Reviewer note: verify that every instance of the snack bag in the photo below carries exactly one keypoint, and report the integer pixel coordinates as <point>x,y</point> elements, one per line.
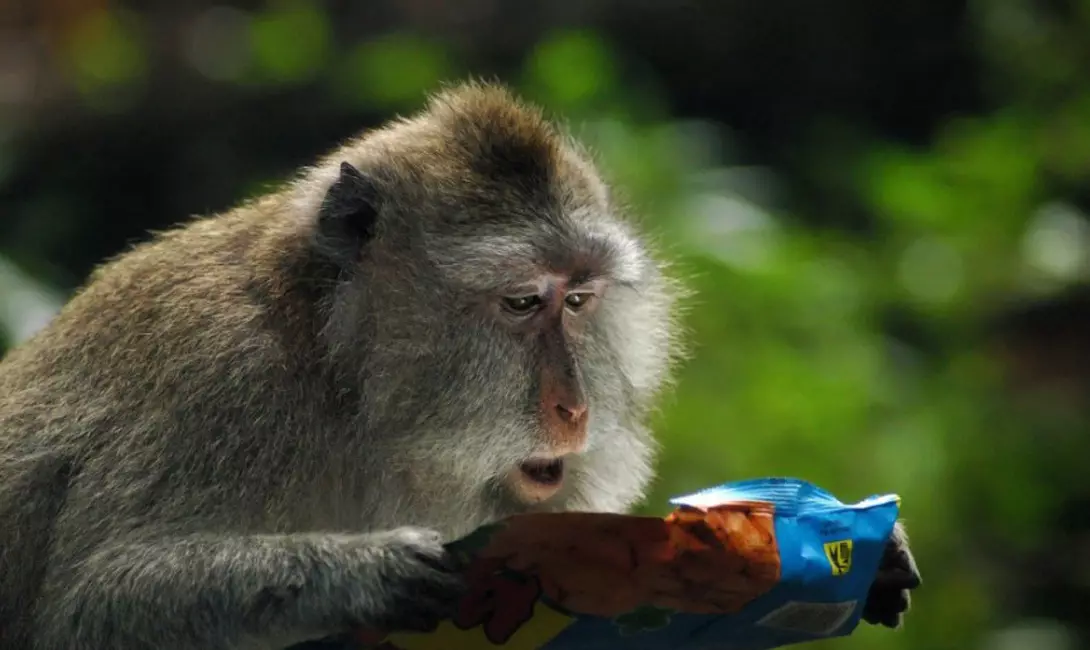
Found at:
<point>751,565</point>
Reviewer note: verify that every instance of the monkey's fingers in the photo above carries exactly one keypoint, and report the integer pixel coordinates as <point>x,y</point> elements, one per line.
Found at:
<point>886,607</point>
<point>898,567</point>
<point>897,578</point>
<point>428,592</point>
<point>438,592</point>
<point>889,597</point>
<point>422,609</point>
<point>443,562</point>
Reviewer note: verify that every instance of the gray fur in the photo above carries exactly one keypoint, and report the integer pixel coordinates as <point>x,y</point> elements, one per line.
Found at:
<point>236,436</point>
<point>260,427</point>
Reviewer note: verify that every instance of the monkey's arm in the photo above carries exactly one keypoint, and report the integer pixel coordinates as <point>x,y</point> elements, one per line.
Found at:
<point>205,591</point>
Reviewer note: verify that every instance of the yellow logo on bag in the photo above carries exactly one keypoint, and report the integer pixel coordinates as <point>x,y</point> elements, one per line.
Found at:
<point>840,556</point>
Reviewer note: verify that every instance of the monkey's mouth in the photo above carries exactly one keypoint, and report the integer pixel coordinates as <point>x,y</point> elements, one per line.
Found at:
<point>546,471</point>
<point>537,479</point>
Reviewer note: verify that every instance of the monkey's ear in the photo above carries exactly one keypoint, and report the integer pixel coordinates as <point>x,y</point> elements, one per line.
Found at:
<point>346,218</point>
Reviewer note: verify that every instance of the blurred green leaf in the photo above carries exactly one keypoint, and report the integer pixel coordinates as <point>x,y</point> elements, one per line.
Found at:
<point>571,70</point>
<point>105,57</point>
<point>393,72</point>
<point>291,41</point>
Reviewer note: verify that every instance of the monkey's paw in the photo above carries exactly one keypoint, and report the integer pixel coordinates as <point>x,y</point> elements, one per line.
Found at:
<point>889,597</point>
<point>420,583</point>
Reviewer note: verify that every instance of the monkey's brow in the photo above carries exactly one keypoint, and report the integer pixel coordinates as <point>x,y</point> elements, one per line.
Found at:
<point>498,247</point>
<point>486,263</point>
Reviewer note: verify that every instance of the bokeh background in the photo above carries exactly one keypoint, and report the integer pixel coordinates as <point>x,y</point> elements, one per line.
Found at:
<point>882,207</point>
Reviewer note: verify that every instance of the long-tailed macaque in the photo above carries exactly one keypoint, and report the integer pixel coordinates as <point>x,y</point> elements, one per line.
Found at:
<point>260,427</point>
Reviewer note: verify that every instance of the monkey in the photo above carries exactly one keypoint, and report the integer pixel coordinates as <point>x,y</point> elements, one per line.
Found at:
<point>261,427</point>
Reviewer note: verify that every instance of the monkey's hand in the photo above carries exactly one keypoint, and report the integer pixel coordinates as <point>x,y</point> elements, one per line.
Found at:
<point>419,585</point>
<point>889,598</point>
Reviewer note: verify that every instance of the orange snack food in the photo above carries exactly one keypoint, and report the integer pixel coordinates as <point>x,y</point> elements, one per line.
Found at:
<point>713,560</point>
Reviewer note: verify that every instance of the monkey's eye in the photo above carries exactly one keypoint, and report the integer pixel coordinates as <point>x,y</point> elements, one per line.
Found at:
<point>521,305</point>
<point>576,301</point>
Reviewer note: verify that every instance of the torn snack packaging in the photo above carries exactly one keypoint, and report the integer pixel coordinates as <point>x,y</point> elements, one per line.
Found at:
<point>750,565</point>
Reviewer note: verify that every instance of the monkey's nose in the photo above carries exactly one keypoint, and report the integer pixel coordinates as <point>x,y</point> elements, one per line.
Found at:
<point>571,413</point>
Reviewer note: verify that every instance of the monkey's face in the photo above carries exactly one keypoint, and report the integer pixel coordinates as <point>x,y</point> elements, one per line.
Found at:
<point>547,317</point>
<point>516,330</point>
<point>525,355</point>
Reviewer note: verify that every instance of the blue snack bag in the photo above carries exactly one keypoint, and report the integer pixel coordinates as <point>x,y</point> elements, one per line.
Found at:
<point>752,565</point>
<point>829,555</point>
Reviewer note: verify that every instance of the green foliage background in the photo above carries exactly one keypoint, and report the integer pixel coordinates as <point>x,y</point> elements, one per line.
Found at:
<point>794,368</point>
